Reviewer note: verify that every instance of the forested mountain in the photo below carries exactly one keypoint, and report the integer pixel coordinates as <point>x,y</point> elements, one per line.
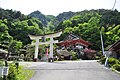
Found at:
<point>51,21</point>
<point>40,16</point>
<point>87,24</point>
<point>15,27</point>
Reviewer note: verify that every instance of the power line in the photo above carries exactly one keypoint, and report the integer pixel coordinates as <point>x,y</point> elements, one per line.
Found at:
<point>114,5</point>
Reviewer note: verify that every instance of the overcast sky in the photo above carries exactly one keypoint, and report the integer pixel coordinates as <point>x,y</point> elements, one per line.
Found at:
<point>54,7</point>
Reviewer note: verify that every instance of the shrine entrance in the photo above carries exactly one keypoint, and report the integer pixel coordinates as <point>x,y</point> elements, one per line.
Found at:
<point>51,42</point>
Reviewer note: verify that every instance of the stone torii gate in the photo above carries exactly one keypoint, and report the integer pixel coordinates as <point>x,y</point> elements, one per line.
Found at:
<point>37,43</point>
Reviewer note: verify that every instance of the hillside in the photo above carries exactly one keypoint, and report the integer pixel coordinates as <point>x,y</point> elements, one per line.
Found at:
<point>86,24</point>
<point>50,20</point>
<point>15,26</point>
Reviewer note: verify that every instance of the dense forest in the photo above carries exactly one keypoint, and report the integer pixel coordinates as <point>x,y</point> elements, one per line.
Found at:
<point>15,26</point>
<point>86,24</point>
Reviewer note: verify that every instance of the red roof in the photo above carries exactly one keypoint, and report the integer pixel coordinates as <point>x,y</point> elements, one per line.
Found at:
<point>73,42</point>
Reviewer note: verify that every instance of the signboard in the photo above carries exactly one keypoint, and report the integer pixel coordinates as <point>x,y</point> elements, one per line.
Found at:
<point>4,71</point>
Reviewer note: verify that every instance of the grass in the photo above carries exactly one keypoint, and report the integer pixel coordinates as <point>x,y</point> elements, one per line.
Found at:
<point>28,74</point>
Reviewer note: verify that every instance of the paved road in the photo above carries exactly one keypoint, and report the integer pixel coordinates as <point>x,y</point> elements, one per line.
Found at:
<point>72,70</point>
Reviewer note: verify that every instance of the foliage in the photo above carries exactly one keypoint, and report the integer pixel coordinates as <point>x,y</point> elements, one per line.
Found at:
<point>5,38</point>
<point>14,46</point>
<point>12,15</point>
<point>18,74</point>
<point>74,56</point>
<point>14,25</point>
<point>40,16</point>
<point>119,59</point>
<point>109,18</point>
<point>112,35</point>
<point>14,73</point>
<point>98,55</point>
<point>20,29</point>
<point>102,60</point>
<point>116,67</point>
<point>112,61</point>
<point>86,24</point>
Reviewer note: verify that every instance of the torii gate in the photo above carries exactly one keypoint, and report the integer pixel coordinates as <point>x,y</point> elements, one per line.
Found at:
<point>37,43</point>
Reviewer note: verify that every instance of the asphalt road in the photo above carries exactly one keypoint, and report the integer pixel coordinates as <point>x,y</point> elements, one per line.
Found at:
<point>72,70</point>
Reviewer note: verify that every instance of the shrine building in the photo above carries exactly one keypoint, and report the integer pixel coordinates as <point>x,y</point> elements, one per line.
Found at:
<point>76,44</point>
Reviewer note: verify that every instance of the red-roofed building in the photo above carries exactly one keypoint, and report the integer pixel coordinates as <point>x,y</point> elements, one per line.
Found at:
<point>76,44</point>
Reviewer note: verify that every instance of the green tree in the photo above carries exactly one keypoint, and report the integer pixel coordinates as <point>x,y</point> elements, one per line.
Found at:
<point>112,35</point>
<point>5,38</point>
<point>20,30</point>
<point>14,46</point>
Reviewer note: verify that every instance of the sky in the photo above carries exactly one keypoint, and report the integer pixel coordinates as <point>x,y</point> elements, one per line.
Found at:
<point>54,7</point>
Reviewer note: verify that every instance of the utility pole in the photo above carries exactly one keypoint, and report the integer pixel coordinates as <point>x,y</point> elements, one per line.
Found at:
<point>107,54</point>
<point>102,42</point>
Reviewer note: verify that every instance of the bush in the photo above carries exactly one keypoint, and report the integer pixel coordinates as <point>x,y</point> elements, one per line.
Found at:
<point>102,60</point>
<point>98,55</point>
<point>74,56</point>
<point>14,73</point>
<point>18,73</point>
<point>116,67</point>
<point>119,59</point>
<point>112,61</point>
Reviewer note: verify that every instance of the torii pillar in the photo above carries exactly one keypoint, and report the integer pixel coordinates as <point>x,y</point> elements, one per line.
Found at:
<point>51,42</point>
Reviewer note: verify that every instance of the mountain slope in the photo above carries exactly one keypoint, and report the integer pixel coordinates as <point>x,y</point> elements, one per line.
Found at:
<point>50,19</point>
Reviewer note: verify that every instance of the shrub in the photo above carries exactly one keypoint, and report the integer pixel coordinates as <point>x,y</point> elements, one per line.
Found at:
<point>14,73</point>
<point>74,57</point>
<point>102,60</point>
<point>98,55</point>
<point>119,59</point>
<point>116,67</point>
<point>18,73</point>
<point>112,61</point>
